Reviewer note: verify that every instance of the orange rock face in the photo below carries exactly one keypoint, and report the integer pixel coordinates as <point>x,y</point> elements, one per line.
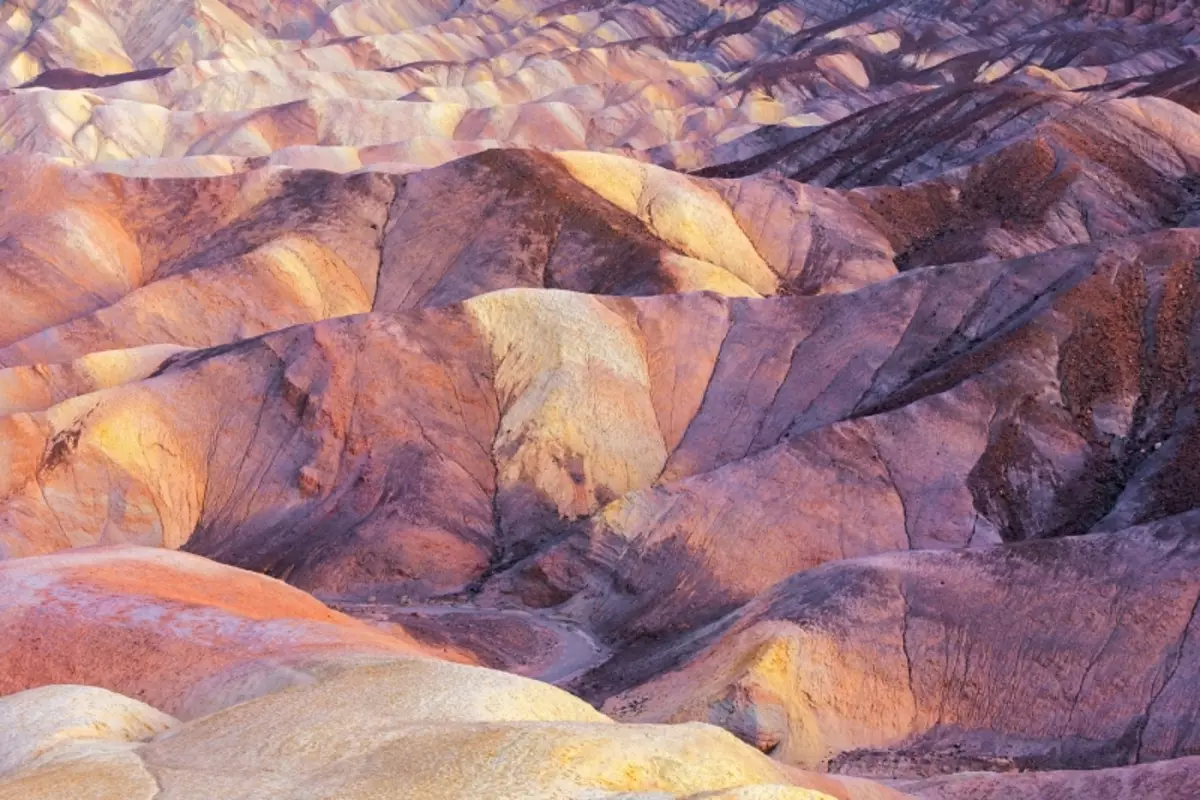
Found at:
<point>816,383</point>
<point>173,630</point>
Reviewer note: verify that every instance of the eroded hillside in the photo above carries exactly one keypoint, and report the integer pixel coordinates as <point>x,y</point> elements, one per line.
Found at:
<point>807,388</point>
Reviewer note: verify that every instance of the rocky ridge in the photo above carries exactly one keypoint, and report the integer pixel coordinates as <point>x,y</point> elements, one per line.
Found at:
<point>822,372</point>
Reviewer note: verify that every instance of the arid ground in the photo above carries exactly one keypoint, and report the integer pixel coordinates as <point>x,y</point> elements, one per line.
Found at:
<point>599,399</point>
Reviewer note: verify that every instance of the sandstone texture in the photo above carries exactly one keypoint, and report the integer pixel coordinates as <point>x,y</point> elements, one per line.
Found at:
<point>758,399</point>
<point>1175,778</point>
<point>282,697</point>
<point>174,630</point>
<point>907,642</point>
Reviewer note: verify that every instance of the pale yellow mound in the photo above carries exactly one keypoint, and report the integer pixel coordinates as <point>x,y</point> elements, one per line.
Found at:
<point>405,728</point>
<point>678,210</point>
<point>37,722</point>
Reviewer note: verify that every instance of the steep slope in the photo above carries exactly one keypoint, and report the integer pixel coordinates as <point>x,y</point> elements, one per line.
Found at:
<point>1000,173</point>
<point>532,409</point>
<point>107,263</point>
<point>822,370</point>
<point>1037,398</point>
<point>172,629</point>
<point>1069,653</point>
<point>265,678</point>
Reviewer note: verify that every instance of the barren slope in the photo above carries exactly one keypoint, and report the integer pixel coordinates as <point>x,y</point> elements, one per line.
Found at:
<point>825,371</point>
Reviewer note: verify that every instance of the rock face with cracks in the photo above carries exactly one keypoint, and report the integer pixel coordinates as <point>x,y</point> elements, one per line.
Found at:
<point>896,655</point>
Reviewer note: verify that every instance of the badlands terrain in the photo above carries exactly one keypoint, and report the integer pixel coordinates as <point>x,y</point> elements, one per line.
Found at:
<point>599,399</point>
